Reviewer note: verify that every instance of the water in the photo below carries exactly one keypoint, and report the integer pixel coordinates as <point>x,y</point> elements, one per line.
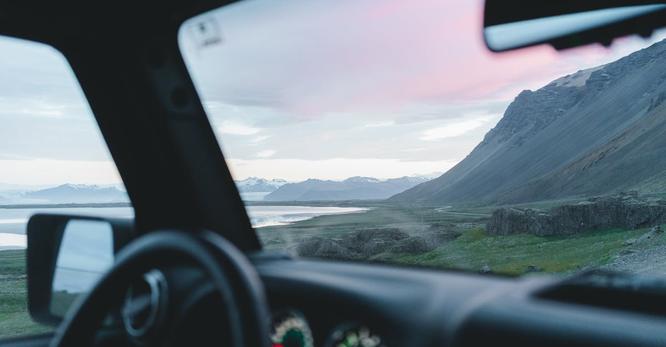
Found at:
<point>262,216</point>
<point>13,221</point>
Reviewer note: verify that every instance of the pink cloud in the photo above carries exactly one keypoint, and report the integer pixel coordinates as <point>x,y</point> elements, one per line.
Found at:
<point>400,52</point>
<point>381,55</point>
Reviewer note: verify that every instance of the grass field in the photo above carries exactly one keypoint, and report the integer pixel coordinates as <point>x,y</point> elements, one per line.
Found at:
<point>518,254</point>
<point>473,250</point>
<point>14,318</point>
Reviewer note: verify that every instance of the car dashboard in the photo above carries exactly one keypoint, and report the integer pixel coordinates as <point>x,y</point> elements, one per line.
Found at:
<point>351,304</point>
<point>345,304</point>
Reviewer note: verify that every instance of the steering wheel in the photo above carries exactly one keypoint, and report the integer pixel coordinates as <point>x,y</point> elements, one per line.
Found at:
<point>229,271</point>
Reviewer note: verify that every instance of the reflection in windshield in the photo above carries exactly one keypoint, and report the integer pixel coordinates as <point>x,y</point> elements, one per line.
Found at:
<point>522,33</point>
<point>529,162</point>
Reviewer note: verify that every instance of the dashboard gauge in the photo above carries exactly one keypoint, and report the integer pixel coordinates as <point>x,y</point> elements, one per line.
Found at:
<point>290,330</point>
<point>354,335</point>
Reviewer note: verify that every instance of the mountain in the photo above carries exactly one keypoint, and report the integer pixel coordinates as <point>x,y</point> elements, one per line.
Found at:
<point>74,193</point>
<point>597,131</point>
<point>255,184</point>
<point>255,189</point>
<point>354,188</point>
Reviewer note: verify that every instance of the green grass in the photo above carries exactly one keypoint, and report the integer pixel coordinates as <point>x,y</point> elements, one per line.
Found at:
<point>474,249</point>
<point>14,317</point>
<point>513,254</point>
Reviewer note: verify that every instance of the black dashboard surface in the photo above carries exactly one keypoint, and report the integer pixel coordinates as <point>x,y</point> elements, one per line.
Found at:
<point>419,307</point>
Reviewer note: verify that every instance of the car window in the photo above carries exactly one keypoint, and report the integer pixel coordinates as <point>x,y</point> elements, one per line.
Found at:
<point>385,131</point>
<point>52,160</point>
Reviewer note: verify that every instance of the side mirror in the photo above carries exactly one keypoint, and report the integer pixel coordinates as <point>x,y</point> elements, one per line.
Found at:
<point>66,256</point>
<point>512,24</point>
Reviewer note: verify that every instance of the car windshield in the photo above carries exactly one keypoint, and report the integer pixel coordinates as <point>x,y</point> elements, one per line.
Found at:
<point>385,131</point>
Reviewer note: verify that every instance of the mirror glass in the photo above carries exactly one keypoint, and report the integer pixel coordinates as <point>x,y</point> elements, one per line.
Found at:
<point>85,253</point>
<point>533,31</point>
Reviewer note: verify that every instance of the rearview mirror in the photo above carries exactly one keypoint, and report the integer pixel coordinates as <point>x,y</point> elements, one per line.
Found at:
<point>512,24</point>
<point>85,253</point>
<point>66,257</point>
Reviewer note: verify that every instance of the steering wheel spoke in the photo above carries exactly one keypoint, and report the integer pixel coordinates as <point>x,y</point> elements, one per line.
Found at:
<point>228,270</point>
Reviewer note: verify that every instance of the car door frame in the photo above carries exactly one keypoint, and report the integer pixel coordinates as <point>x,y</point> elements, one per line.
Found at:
<point>139,90</point>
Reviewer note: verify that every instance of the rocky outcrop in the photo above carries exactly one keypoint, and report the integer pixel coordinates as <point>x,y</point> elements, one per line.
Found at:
<point>626,211</point>
<point>507,221</point>
<point>324,248</point>
<point>367,243</point>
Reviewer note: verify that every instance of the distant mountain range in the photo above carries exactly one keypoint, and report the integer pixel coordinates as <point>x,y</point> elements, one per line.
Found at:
<point>597,131</point>
<point>255,188</point>
<point>252,189</point>
<point>256,184</point>
<point>65,194</point>
<point>354,188</point>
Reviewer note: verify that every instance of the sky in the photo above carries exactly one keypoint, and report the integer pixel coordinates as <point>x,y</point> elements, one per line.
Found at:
<point>48,135</point>
<point>299,89</point>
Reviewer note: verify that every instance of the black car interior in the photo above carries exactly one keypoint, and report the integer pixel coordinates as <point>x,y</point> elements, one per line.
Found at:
<point>218,286</point>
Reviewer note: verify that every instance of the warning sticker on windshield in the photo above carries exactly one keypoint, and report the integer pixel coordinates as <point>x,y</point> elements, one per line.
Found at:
<point>206,32</point>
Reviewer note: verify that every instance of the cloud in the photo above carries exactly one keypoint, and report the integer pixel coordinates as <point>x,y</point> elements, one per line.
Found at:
<point>258,139</point>
<point>453,130</point>
<point>380,124</point>
<point>59,171</point>
<point>266,154</point>
<point>229,127</point>
<point>415,149</point>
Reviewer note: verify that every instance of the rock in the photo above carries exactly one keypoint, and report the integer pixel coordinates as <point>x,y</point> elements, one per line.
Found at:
<point>369,242</point>
<point>324,248</point>
<point>621,211</point>
<point>629,242</point>
<point>439,226</point>
<point>648,236</point>
<point>506,221</point>
<point>533,268</point>
<point>485,269</point>
<point>656,229</point>
<point>414,245</point>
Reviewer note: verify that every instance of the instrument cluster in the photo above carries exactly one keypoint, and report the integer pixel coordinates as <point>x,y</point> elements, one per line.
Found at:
<point>291,329</point>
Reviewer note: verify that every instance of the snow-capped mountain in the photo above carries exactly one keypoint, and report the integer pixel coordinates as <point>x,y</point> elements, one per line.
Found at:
<point>69,193</point>
<point>256,184</point>
<point>255,188</point>
<point>361,179</point>
<point>353,188</point>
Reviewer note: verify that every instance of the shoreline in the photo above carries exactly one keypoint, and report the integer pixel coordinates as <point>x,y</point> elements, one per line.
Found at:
<point>354,210</point>
<point>11,240</point>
